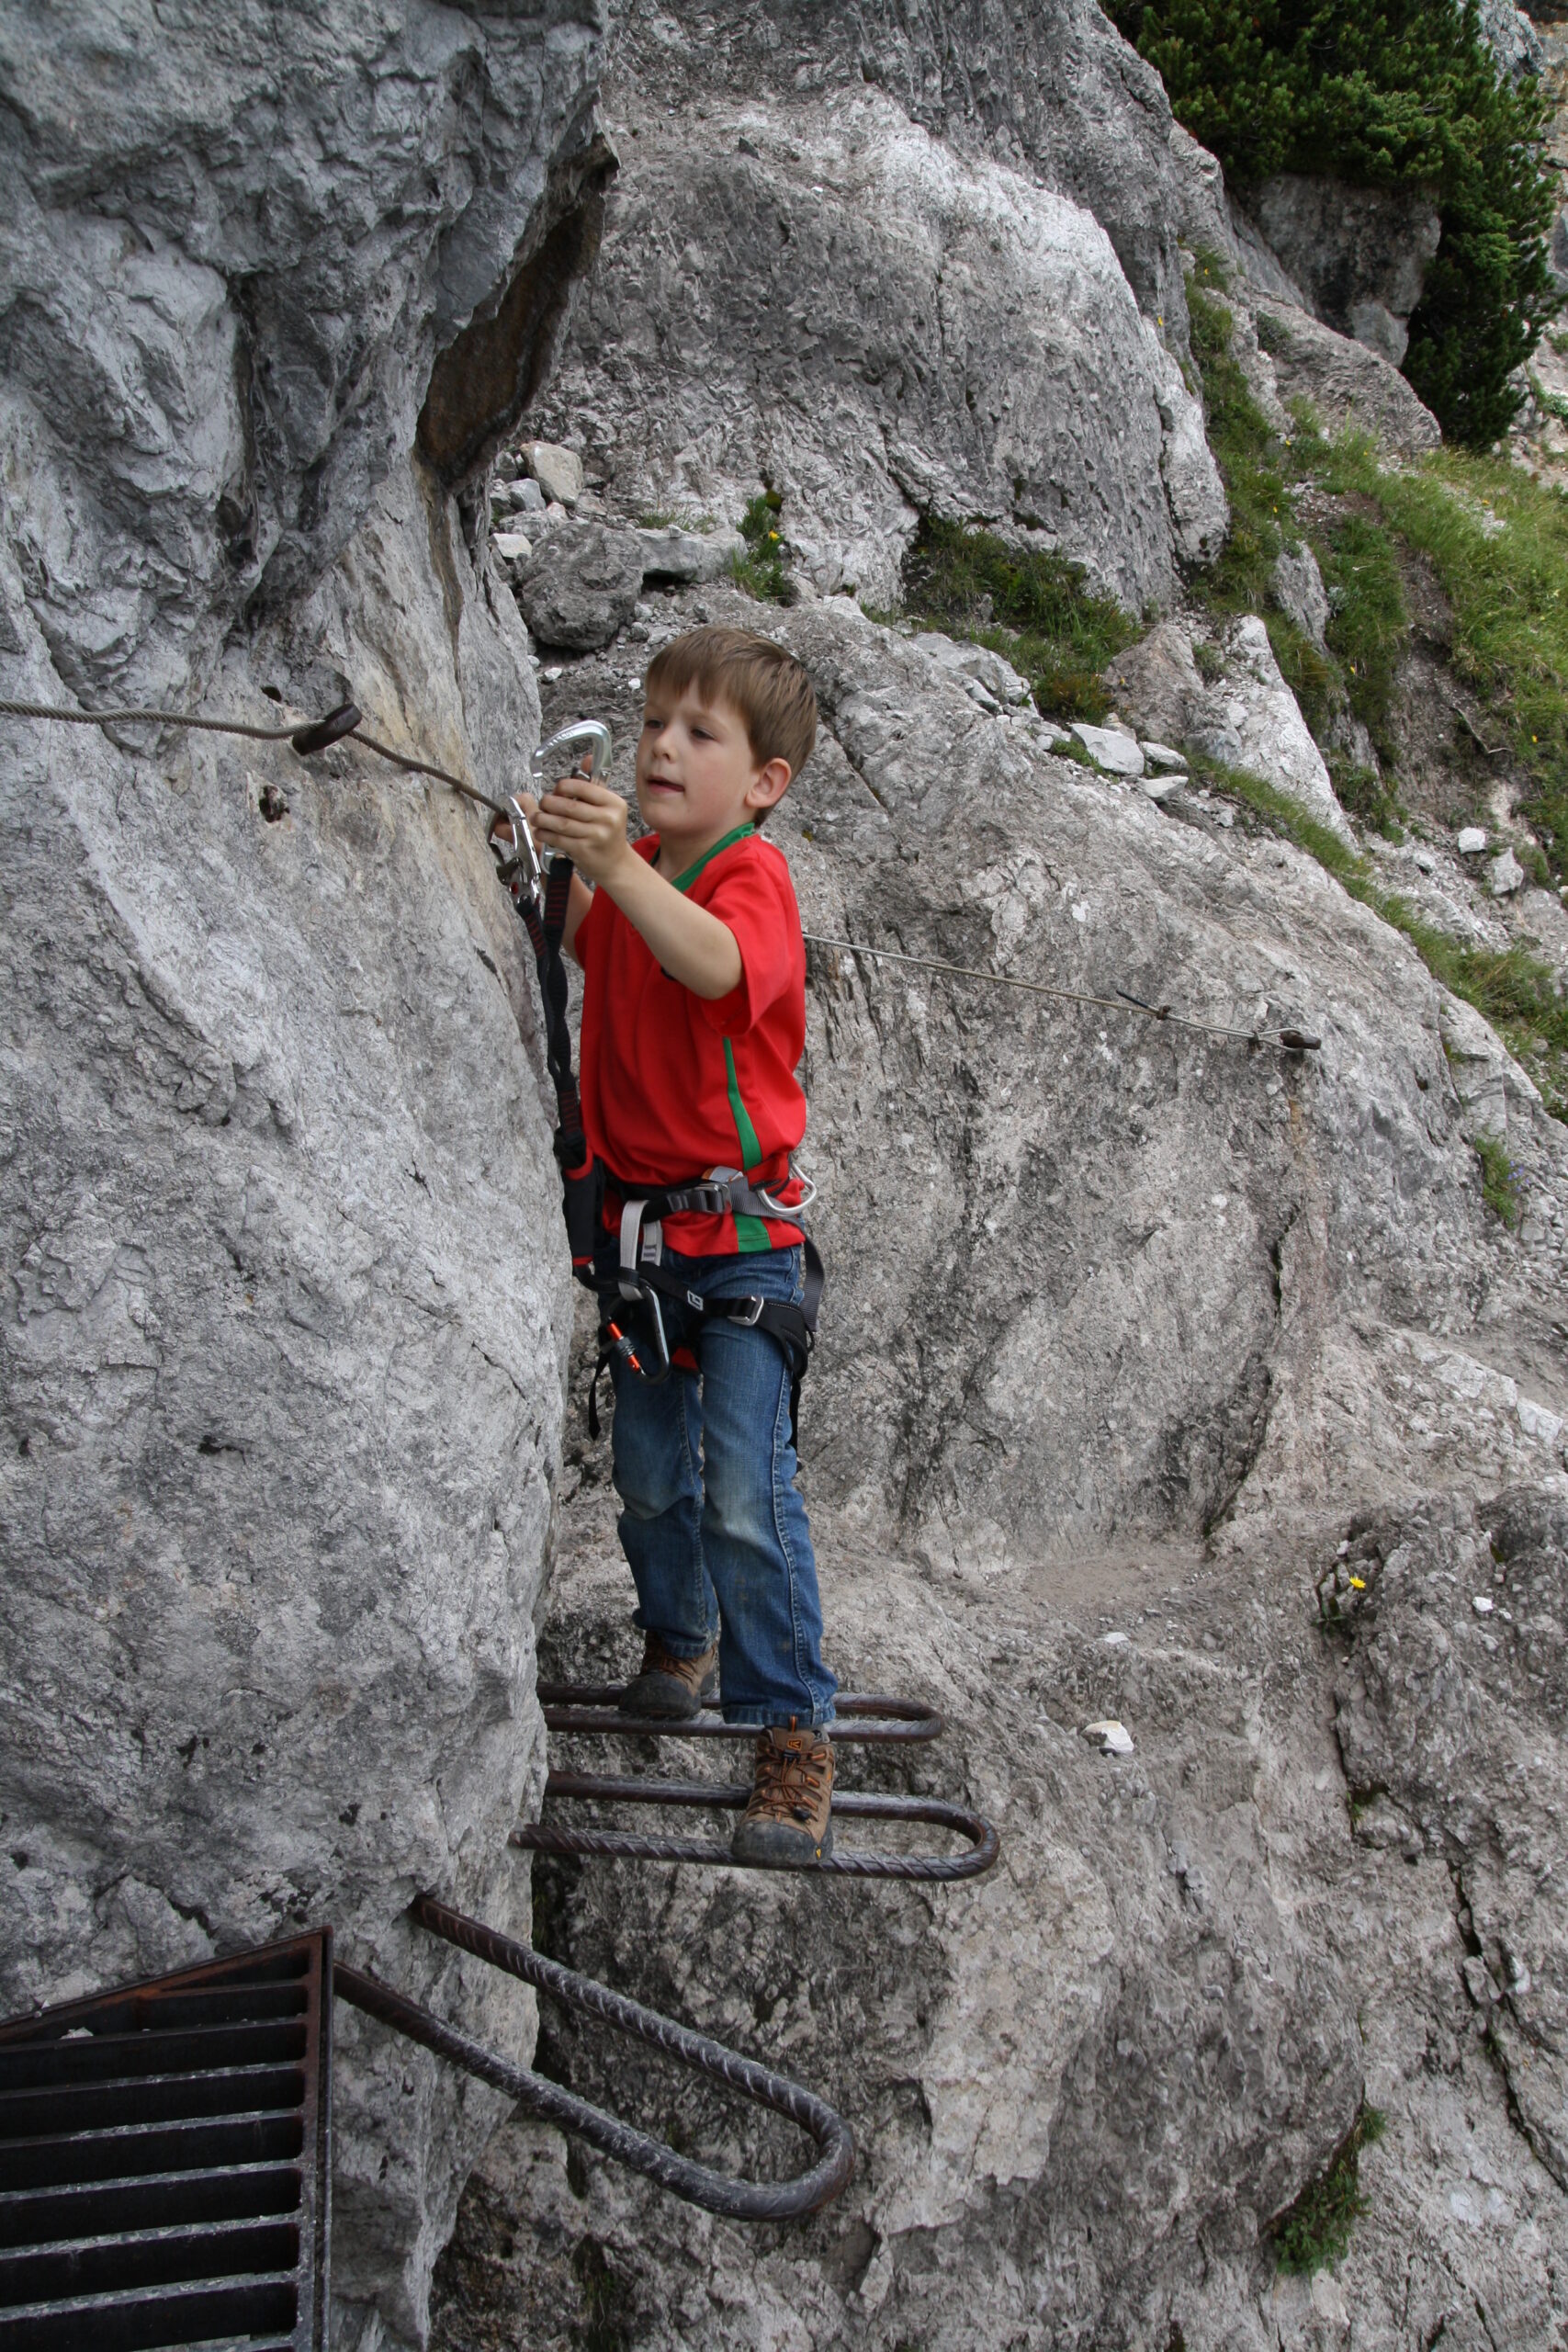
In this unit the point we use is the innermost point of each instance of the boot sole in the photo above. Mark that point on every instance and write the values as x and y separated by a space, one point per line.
663 1699
778 1848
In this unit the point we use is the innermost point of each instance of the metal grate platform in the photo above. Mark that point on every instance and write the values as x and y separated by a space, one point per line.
164 2161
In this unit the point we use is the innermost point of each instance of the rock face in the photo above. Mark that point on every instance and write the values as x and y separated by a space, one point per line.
1245 716
1358 255
282 1422
812 289
1245 1291
1450 1717
1134 1322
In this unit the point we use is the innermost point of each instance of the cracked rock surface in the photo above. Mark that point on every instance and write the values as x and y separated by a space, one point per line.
810 284
280 1434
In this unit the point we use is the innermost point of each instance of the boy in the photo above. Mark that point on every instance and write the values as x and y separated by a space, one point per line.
694 1019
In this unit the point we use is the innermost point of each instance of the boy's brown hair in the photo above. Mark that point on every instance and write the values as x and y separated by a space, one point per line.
754 676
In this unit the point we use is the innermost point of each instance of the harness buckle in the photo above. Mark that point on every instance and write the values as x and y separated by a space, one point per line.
748 1321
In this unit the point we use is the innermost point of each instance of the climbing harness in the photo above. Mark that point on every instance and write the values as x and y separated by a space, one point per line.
632 1317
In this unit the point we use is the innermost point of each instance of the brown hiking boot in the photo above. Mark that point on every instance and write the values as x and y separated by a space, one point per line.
788 1823
671 1687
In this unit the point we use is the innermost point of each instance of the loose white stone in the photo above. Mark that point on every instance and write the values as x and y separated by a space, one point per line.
511 547
558 471
1505 877
1110 1737
1482 1604
1161 755
1472 842
1117 753
1425 862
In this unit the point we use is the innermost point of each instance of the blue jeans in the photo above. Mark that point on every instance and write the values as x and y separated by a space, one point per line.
714 1531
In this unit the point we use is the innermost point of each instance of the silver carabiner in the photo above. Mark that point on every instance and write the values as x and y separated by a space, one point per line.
588 740
564 753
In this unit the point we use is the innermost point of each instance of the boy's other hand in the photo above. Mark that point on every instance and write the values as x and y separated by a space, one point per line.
585 821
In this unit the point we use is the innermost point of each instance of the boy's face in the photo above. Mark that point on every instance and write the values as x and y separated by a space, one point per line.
697 776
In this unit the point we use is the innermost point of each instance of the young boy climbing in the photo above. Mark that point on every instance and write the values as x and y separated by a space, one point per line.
693 1020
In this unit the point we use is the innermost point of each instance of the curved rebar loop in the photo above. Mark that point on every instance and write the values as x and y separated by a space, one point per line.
863 1718
739 2200
849 1804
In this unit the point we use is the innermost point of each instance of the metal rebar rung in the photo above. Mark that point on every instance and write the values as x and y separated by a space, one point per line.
540 1838
741 2200
596 1708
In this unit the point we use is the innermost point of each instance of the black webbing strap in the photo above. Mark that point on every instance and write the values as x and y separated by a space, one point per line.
792 1325
581 1183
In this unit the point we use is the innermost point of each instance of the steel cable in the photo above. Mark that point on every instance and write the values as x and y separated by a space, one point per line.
1292 1041
311 736
299 733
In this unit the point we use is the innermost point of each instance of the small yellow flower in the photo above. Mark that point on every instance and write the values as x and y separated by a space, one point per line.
773 535
1358 1584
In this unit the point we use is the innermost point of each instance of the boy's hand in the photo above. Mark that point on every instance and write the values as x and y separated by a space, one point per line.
587 823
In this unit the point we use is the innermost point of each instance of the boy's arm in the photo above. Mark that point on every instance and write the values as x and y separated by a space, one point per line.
588 822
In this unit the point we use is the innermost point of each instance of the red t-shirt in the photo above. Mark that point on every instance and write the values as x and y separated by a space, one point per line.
674 1084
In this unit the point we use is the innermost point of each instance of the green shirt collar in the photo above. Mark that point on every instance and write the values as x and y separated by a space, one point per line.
685 881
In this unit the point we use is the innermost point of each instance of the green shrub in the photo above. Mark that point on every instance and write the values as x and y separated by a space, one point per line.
1316 2232
764 570
1385 92
1499 1179
1030 606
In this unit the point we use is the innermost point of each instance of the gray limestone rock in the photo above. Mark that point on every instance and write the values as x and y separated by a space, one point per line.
821 295
1451 1703
1512 38
579 587
1347 382
282 1421
1360 256
673 558
1249 718
1051 90
1300 594
202 189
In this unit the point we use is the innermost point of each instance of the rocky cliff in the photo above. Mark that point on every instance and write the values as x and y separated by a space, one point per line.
282 1368
1164 1376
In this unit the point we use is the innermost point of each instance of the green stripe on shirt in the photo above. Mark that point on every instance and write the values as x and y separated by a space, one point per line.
750 1232
683 881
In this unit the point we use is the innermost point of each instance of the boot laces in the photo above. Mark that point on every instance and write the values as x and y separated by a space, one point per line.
789 1782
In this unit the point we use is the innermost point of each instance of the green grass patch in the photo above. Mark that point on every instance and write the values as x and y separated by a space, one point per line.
1369 626
1316 2232
1034 609
762 569
1256 462
1513 990
1498 543
1262 471
1499 1180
